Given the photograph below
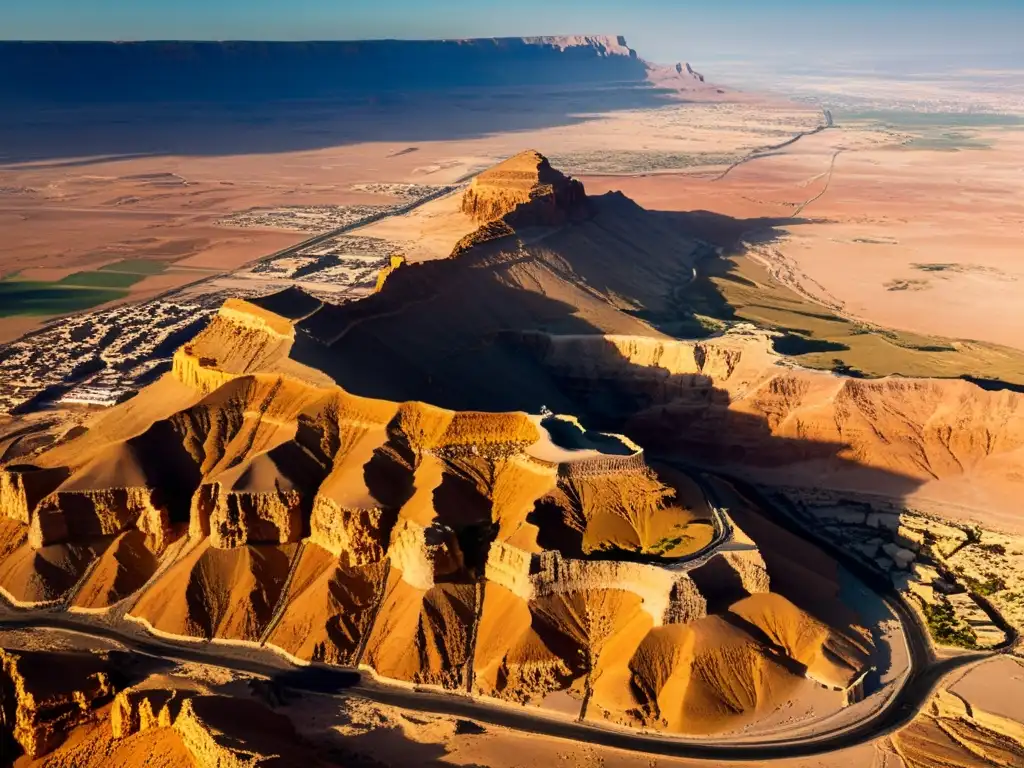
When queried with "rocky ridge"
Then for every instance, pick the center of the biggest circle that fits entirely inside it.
(524, 191)
(398, 537)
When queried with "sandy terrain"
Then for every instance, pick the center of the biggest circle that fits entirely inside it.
(245, 498)
(892, 230)
(66, 216)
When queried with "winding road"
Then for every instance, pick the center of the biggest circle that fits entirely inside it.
(763, 152)
(924, 677)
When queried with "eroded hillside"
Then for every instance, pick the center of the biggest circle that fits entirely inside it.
(244, 498)
(296, 485)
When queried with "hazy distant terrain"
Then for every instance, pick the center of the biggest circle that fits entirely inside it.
(542, 398)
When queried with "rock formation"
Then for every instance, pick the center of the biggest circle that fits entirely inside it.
(524, 191)
(43, 696)
(278, 489)
(246, 498)
(65, 713)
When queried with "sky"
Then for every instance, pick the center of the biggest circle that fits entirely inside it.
(773, 33)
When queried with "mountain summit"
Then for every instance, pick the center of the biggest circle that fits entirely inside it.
(525, 178)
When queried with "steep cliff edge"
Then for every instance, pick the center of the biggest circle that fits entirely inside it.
(730, 401)
(245, 498)
(524, 191)
(203, 71)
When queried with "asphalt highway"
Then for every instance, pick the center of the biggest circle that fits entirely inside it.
(925, 675)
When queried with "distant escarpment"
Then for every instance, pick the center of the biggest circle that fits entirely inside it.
(74, 72)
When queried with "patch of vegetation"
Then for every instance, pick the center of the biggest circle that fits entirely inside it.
(843, 369)
(797, 344)
(904, 119)
(993, 549)
(100, 279)
(907, 285)
(937, 267)
(34, 298)
(136, 267)
(944, 626)
(738, 289)
(993, 583)
(670, 543)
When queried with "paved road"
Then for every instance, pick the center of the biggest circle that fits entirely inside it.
(925, 675)
(334, 681)
(763, 152)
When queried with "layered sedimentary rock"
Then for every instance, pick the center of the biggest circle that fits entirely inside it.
(246, 497)
(732, 401)
(668, 596)
(464, 550)
(45, 695)
(524, 191)
(175, 721)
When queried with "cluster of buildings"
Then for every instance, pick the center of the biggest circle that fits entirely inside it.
(921, 555)
(96, 358)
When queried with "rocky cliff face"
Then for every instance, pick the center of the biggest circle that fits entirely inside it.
(245, 498)
(730, 400)
(45, 695)
(524, 191)
(201, 71)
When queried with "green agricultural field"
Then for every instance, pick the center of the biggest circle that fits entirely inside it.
(29, 297)
(101, 279)
(739, 289)
(136, 267)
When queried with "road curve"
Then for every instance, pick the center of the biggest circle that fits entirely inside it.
(336, 681)
(925, 676)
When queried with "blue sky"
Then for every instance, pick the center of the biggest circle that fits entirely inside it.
(824, 31)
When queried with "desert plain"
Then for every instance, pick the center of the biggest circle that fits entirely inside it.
(671, 419)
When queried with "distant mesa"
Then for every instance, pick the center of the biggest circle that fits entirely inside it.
(605, 45)
(685, 68)
(107, 72)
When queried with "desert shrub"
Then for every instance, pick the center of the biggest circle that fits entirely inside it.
(945, 627)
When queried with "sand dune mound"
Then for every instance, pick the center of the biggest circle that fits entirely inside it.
(702, 677)
(328, 610)
(831, 658)
(227, 594)
(121, 570)
(422, 635)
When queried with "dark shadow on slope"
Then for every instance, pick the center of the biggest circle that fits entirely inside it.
(565, 434)
(720, 584)
(473, 333)
(445, 332)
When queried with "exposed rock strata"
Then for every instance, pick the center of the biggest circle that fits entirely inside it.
(428, 545)
(45, 695)
(524, 191)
